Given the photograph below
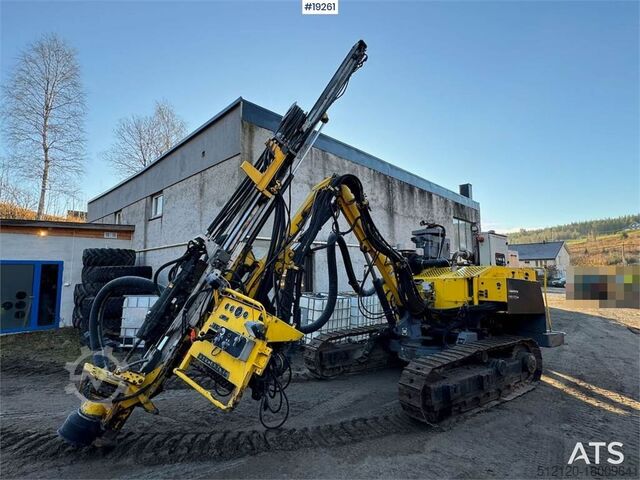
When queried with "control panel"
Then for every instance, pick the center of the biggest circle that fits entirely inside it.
(233, 343)
(229, 341)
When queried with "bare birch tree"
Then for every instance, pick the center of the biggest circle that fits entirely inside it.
(44, 110)
(140, 140)
(13, 194)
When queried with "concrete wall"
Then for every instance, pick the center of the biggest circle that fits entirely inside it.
(396, 207)
(195, 178)
(191, 204)
(57, 248)
(266, 119)
(189, 207)
(214, 143)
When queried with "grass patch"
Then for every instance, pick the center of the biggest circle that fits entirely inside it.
(55, 346)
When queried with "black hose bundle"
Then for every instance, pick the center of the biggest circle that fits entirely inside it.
(191, 246)
(324, 209)
(274, 401)
(115, 288)
(239, 200)
(348, 266)
(291, 126)
(321, 213)
(332, 295)
(279, 237)
(410, 296)
(243, 197)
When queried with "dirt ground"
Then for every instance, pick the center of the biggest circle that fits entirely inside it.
(349, 427)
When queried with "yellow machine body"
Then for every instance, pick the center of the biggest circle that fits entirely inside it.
(470, 285)
(241, 318)
(233, 344)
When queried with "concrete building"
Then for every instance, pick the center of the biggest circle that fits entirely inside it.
(176, 197)
(40, 262)
(545, 254)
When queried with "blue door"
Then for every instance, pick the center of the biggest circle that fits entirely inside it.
(30, 293)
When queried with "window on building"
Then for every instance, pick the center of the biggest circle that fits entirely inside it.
(461, 235)
(117, 217)
(156, 205)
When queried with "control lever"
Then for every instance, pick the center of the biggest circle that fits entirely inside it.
(255, 329)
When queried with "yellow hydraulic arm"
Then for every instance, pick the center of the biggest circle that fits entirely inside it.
(203, 281)
(354, 210)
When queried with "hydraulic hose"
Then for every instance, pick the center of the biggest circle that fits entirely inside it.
(418, 263)
(333, 283)
(168, 264)
(409, 295)
(333, 288)
(119, 286)
(348, 266)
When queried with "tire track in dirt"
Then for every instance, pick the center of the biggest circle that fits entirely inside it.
(176, 447)
(56, 373)
(34, 368)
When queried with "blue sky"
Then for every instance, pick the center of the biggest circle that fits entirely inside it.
(534, 103)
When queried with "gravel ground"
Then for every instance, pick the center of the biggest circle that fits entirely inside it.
(353, 427)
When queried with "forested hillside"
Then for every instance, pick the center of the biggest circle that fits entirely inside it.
(575, 230)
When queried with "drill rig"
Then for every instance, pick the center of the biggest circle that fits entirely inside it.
(225, 320)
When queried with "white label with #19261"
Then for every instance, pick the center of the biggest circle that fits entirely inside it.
(320, 8)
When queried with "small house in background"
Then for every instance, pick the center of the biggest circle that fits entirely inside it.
(512, 258)
(543, 254)
(40, 262)
(77, 215)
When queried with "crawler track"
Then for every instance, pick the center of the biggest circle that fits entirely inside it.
(349, 350)
(466, 377)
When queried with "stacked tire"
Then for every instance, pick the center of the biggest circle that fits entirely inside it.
(100, 266)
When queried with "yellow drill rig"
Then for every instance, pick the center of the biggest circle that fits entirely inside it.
(467, 334)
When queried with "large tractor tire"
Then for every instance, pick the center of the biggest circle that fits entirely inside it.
(77, 317)
(84, 290)
(110, 328)
(106, 274)
(108, 257)
(110, 322)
